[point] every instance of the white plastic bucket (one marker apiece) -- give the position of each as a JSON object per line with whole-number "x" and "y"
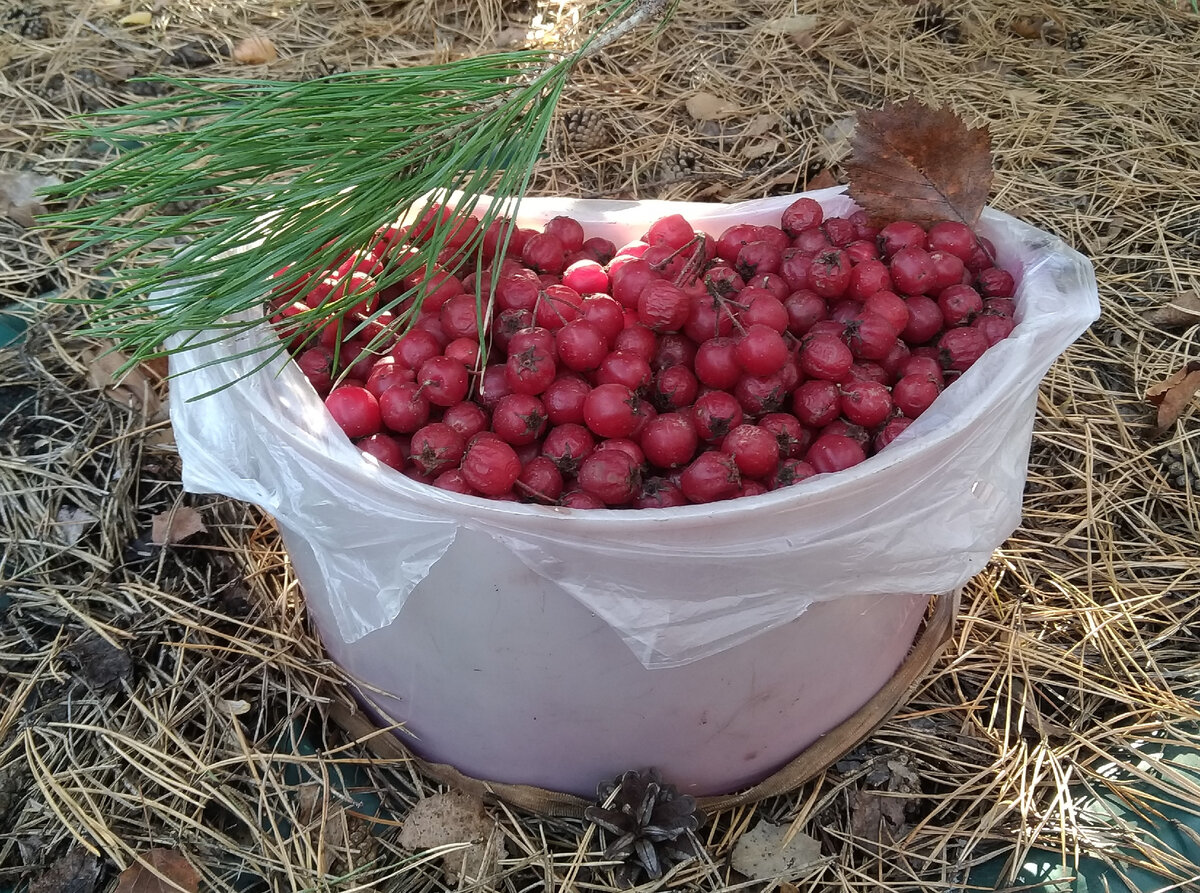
{"x": 557, "y": 648}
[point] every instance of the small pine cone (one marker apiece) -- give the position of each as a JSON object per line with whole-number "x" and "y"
{"x": 931, "y": 18}
{"x": 28, "y": 21}
{"x": 586, "y": 130}
{"x": 1076, "y": 40}
{"x": 648, "y": 825}
{"x": 678, "y": 166}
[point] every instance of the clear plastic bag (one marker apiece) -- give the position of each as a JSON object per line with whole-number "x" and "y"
{"x": 923, "y": 516}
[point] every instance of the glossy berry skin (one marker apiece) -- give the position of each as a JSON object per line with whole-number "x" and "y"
{"x": 540, "y": 481}
{"x": 567, "y": 446}
{"x": 802, "y": 214}
{"x": 443, "y": 381}
{"x": 816, "y": 403}
{"x": 715, "y": 414}
{"x": 825, "y": 356}
{"x": 669, "y": 440}
{"x": 403, "y": 408}
{"x": 913, "y": 394}
{"x": 490, "y": 466}
{"x": 761, "y": 350}
{"x": 959, "y": 305}
{"x": 355, "y": 411}
{"x": 834, "y": 452}
{"x": 924, "y": 320}
{"x": 830, "y": 274}
{"x": 385, "y": 448}
{"x": 959, "y": 348}
{"x": 580, "y": 345}
{"x": 866, "y": 403}
{"x": 519, "y": 419}
{"x": 611, "y": 410}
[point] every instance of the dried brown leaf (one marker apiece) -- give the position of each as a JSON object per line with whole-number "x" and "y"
{"x": 914, "y": 162}
{"x": 707, "y": 107}
{"x": 760, "y": 124}
{"x": 822, "y": 179}
{"x": 257, "y": 49}
{"x": 133, "y": 388}
{"x": 875, "y": 819}
{"x": 72, "y": 522}
{"x": 18, "y": 195}
{"x": 1183, "y": 311}
{"x": 176, "y": 525}
{"x": 455, "y": 817}
{"x": 159, "y": 871}
{"x": 76, "y": 872}
{"x": 1173, "y": 395}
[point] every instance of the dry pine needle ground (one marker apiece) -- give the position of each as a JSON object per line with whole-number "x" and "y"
{"x": 173, "y": 697}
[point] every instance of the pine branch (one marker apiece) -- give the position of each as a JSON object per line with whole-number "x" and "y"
{"x": 298, "y": 174}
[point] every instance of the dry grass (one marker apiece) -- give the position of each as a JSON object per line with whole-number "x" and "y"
{"x": 175, "y": 697}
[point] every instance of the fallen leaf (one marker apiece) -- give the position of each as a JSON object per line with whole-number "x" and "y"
{"x": 760, "y": 124}
{"x": 1027, "y": 27}
{"x": 257, "y": 49}
{"x": 159, "y": 871}
{"x": 914, "y": 162}
{"x": 72, "y": 522}
{"x": 455, "y": 817}
{"x": 765, "y": 853}
{"x": 18, "y": 195}
{"x": 132, "y": 388}
{"x": 796, "y": 24}
{"x": 76, "y": 872}
{"x": 1183, "y": 311}
{"x": 836, "y": 137}
{"x": 136, "y": 20}
{"x": 1173, "y": 395}
{"x": 707, "y": 107}
{"x": 822, "y": 179}
{"x": 175, "y": 526}
{"x": 875, "y": 819}
{"x": 235, "y": 708}
{"x": 761, "y": 148}
{"x": 96, "y": 662}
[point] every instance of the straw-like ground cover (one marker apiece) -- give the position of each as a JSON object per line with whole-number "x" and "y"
{"x": 175, "y": 698}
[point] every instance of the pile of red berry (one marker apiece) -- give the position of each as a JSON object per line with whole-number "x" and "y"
{"x": 676, "y": 369}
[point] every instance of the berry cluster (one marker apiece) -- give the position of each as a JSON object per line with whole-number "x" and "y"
{"x": 676, "y": 369}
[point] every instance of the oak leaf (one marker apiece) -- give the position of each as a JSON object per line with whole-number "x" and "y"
{"x": 1174, "y": 394}
{"x": 1183, "y": 311}
{"x": 159, "y": 871}
{"x": 913, "y": 162}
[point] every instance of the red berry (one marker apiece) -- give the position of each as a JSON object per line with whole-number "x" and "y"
{"x": 866, "y": 403}
{"x": 663, "y": 307}
{"x": 804, "y": 309}
{"x": 403, "y": 408}
{"x": 900, "y": 234}
{"x": 862, "y": 251}
{"x": 761, "y": 350}
{"x": 387, "y": 449}
{"x": 436, "y": 448}
{"x": 825, "y": 356}
{"x": 530, "y": 370}
{"x": 829, "y": 275}
{"x": 870, "y": 336}
{"x": 637, "y": 339}
{"x": 800, "y": 215}
{"x": 951, "y": 237}
{"x": 467, "y": 418}
{"x": 544, "y": 253}
{"x": 674, "y": 388}
{"x": 811, "y": 241}
{"x": 490, "y": 465}
{"x": 612, "y": 410}
{"x": 839, "y": 231}
{"x": 834, "y": 452}
{"x": 629, "y": 279}
{"x": 816, "y": 402}
{"x": 959, "y": 305}
{"x": 889, "y": 432}
{"x": 317, "y": 365}
{"x": 564, "y": 397}
{"x": 580, "y": 345}
{"x": 947, "y": 270}
{"x": 669, "y": 440}
{"x": 924, "y": 320}
{"x": 755, "y": 450}
{"x": 711, "y": 477}
{"x": 493, "y": 384}
{"x": 443, "y": 381}
{"x": 567, "y": 230}
{"x": 995, "y": 328}
{"x": 519, "y": 419}
{"x": 414, "y": 347}
{"x": 626, "y": 368}
{"x": 673, "y": 231}
{"x": 754, "y": 258}
{"x": 996, "y": 283}
{"x": 959, "y": 348}
{"x": 912, "y": 271}
{"x": 612, "y": 476}
{"x": 567, "y": 446}
{"x": 659, "y": 493}
{"x": 715, "y": 414}
{"x": 868, "y": 277}
{"x": 793, "y": 438}
{"x": 890, "y": 306}
{"x": 913, "y": 394}
{"x": 540, "y": 481}
{"x": 453, "y": 481}
{"x": 790, "y": 471}
{"x": 605, "y": 314}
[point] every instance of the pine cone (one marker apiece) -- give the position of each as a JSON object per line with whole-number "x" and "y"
{"x": 1179, "y": 471}
{"x": 932, "y": 19}
{"x": 678, "y": 166}
{"x": 586, "y": 130}
{"x": 649, "y": 825}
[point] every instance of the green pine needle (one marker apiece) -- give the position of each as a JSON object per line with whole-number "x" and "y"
{"x": 297, "y": 174}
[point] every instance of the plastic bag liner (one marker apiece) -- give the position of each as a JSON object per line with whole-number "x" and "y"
{"x": 679, "y": 584}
